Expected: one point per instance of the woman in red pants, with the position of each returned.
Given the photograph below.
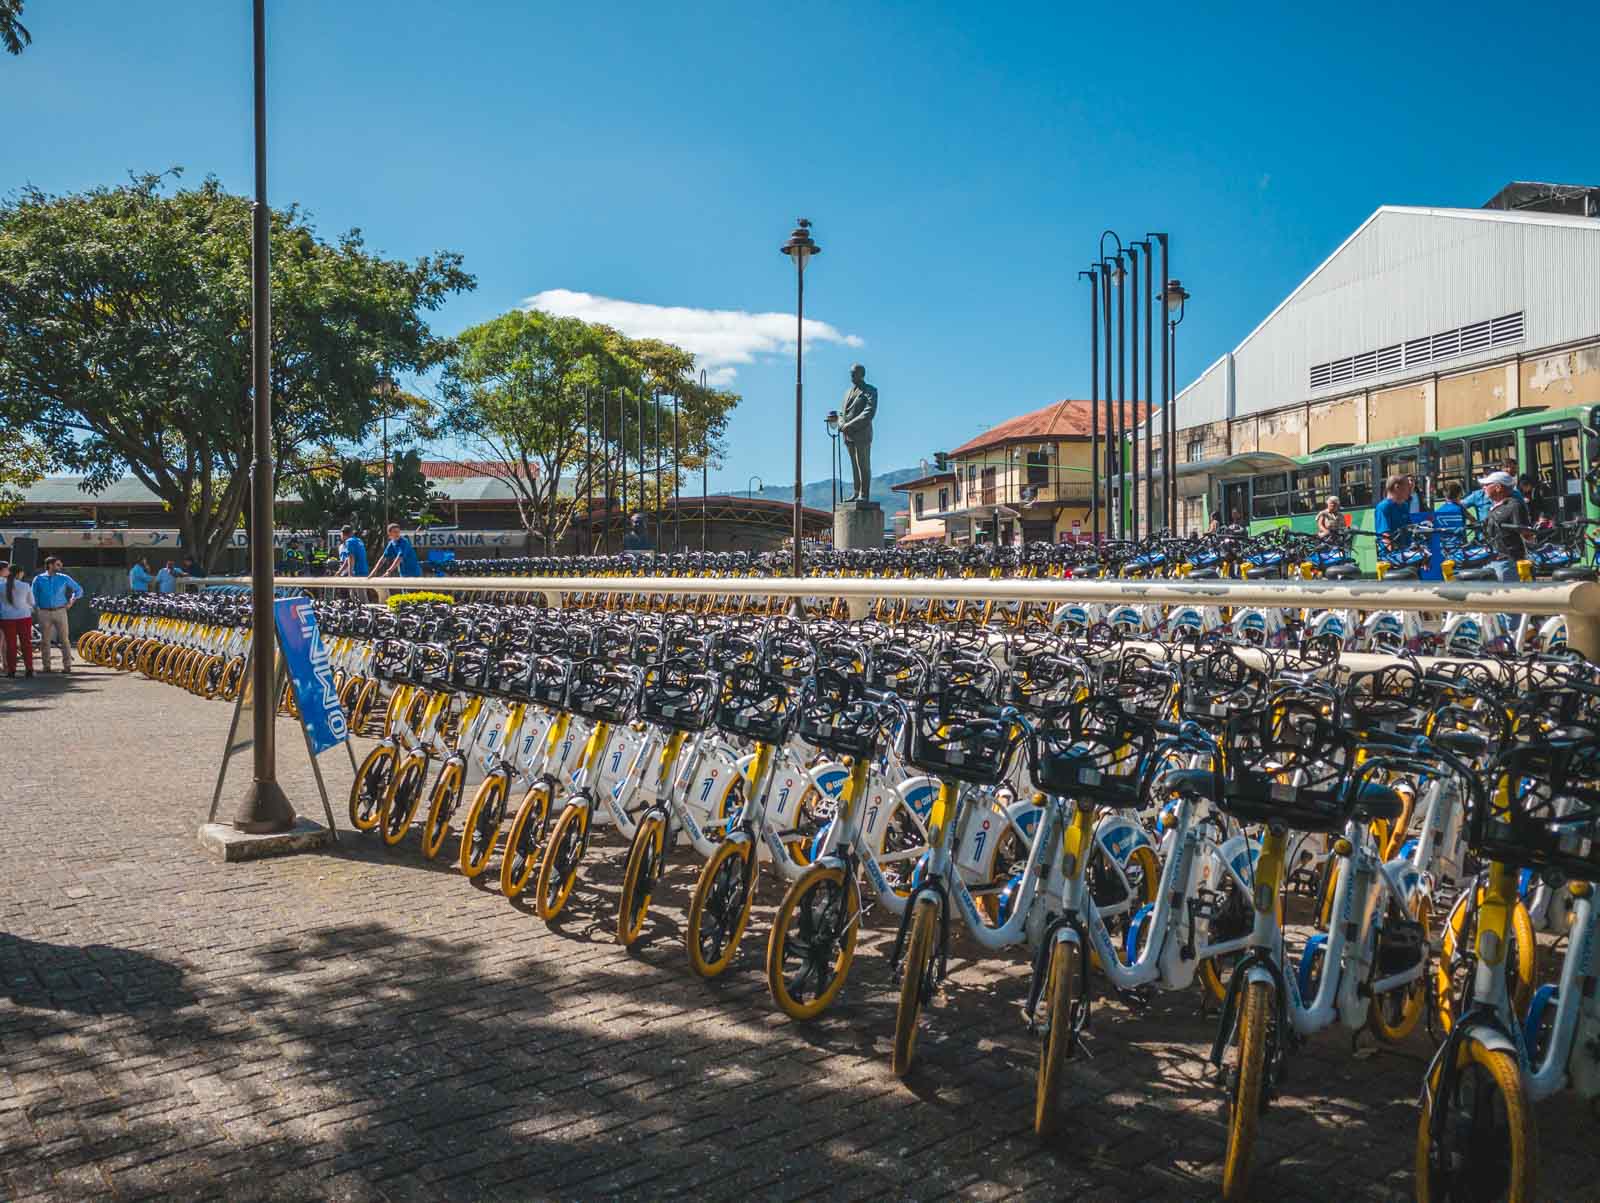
(16, 618)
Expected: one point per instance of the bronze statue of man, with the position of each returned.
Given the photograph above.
(855, 428)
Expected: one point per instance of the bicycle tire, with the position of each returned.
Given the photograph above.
(520, 860)
(365, 802)
(1055, 1044)
(403, 797)
(720, 908)
(1249, 1084)
(1412, 999)
(1517, 1168)
(646, 856)
(442, 802)
(914, 973)
(558, 867)
(834, 922)
(481, 829)
(1519, 961)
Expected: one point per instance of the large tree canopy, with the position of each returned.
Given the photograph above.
(125, 338)
(516, 393)
(13, 34)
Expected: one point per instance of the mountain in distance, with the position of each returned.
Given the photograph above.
(819, 493)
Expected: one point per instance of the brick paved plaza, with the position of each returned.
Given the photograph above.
(363, 1024)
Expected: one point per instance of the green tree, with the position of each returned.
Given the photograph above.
(349, 490)
(22, 463)
(515, 392)
(13, 35)
(125, 339)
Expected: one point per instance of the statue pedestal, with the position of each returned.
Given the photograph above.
(856, 527)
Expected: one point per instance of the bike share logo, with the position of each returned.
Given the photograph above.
(306, 657)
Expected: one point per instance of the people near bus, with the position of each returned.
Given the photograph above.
(1392, 515)
(1478, 503)
(399, 557)
(16, 618)
(352, 553)
(1450, 514)
(167, 578)
(1216, 522)
(140, 576)
(1329, 519)
(1416, 497)
(54, 593)
(1507, 513)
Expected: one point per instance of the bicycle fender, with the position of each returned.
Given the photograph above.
(1119, 836)
(1239, 854)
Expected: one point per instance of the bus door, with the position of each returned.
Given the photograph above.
(1555, 461)
(1236, 503)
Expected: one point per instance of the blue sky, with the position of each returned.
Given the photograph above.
(958, 161)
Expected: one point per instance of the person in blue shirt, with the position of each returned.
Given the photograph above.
(1450, 514)
(54, 593)
(1478, 503)
(352, 554)
(140, 576)
(1392, 515)
(399, 557)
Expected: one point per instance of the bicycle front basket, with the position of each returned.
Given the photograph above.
(754, 705)
(677, 695)
(1297, 769)
(1543, 808)
(836, 715)
(957, 734)
(602, 691)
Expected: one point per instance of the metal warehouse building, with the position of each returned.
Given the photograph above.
(1422, 321)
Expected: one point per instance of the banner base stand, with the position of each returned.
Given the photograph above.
(225, 842)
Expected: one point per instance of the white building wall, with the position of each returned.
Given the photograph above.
(1405, 274)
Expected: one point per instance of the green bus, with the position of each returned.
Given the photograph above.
(1549, 445)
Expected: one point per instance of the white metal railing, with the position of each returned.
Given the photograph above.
(1577, 601)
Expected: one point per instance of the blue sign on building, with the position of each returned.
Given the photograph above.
(306, 657)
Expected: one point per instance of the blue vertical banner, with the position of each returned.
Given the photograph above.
(306, 658)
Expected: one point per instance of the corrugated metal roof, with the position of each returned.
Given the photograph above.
(1058, 420)
(65, 490)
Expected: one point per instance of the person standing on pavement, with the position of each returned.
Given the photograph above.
(54, 593)
(1507, 513)
(1329, 520)
(140, 576)
(399, 557)
(352, 554)
(16, 618)
(167, 578)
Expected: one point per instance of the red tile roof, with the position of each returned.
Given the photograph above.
(1058, 420)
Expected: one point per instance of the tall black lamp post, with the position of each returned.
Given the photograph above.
(1176, 297)
(705, 457)
(1110, 277)
(831, 422)
(265, 807)
(800, 247)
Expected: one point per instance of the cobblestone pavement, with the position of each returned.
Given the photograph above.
(364, 1024)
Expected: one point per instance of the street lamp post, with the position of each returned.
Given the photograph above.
(1093, 276)
(800, 247)
(1110, 276)
(831, 422)
(705, 458)
(1177, 297)
(1150, 395)
(677, 517)
(265, 807)
(751, 485)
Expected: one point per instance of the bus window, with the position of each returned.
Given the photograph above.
(1555, 465)
(1491, 454)
(1398, 463)
(1235, 503)
(1270, 496)
(1311, 488)
(1452, 469)
(1355, 484)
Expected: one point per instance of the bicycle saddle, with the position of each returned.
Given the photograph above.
(1341, 572)
(1201, 783)
(1378, 802)
(1474, 574)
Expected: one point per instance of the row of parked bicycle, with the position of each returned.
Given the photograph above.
(1130, 814)
(1556, 550)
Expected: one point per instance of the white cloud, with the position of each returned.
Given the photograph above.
(720, 339)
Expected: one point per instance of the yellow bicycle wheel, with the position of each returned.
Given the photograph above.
(370, 786)
(1394, 1014)
(720, 908)
(915, 972)
(1059, 999)
(1249, 1085)
(482, 828)
(813, 941)
(442, 803)
(646, 856)
(520, 861)
(403, 797)
(1488, 1146)
(558, 868)
(1453, 966)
